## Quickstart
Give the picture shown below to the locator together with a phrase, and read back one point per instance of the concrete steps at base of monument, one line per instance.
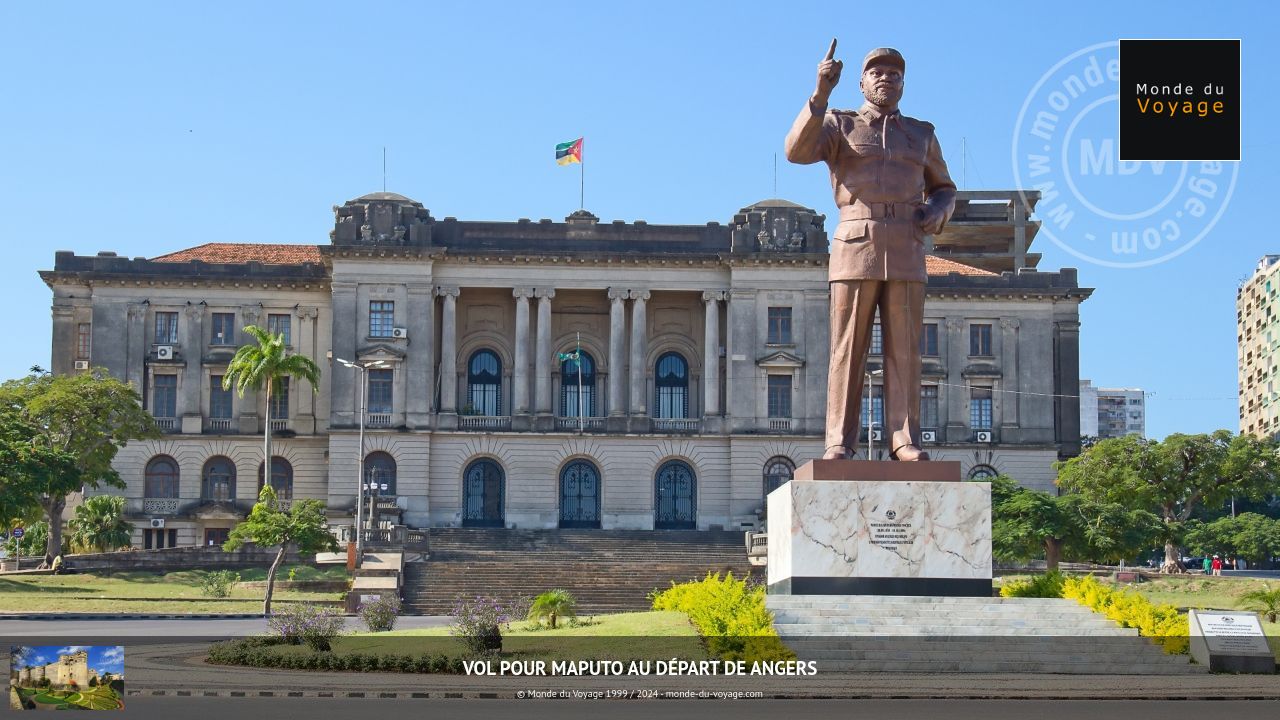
(964, 635)
(606, 570)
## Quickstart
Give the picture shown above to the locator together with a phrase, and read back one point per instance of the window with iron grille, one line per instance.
(219, 399)
(224, 329)
(164, 396)
(280, 399)
(980, 408)
(672, 385)
(779, 325)
(381, 318)
(166, 328)
(380, 391)
(779, 396)
(278, 324)
(84, 335)
(929, 406)
(484, 383)
(778, 471)
(877, 339)
(578, 375)
(929, 339)
(980, 339)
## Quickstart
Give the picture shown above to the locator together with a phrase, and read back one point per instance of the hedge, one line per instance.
(729, 615)
(259, 652)
(1162, 623)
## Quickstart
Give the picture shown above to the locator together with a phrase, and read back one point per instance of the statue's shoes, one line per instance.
(836, 452)
(909, 453)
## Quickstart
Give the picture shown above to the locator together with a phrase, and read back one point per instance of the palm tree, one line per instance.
(1265, 601)
(99, 525)
(261, 366)
(553, 604)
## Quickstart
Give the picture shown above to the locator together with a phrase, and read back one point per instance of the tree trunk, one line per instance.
(1052, 553)
(1170, 564)
(271, 580)
(53, 513)
(266, 441)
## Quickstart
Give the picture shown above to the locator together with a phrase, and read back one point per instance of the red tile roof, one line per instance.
(266, 253)
(934, 265)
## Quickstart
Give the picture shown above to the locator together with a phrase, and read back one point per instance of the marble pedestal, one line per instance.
(922, 533)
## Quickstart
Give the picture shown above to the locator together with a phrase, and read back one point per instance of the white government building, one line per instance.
(701, 379)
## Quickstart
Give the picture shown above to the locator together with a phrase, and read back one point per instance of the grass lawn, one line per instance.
(141, 591)
(97, 698)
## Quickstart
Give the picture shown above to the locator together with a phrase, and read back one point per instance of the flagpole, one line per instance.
(582, 183)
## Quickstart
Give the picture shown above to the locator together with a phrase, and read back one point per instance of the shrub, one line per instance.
(552, 605)
(1162, 623)
(380, 615)
(218, 584)
(257, 652)
(478, 624)
(311, 624)
(1048, 585)
(729, 614)
(1265, 601)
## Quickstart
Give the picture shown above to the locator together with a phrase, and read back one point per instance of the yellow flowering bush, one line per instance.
(1162, 623)
(729, 614)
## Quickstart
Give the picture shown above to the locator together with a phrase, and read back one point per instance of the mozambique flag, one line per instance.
(569, 152)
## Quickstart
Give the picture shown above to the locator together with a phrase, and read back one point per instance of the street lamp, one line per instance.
(871, 414)
(361, 371)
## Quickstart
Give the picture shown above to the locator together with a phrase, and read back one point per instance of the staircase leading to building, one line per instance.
(859, 633)
(606, 570)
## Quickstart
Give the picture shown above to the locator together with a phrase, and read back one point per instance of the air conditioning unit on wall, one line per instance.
(164, 352)
(928, 436)
(157, 522)
(82, 364)
(877, 434)
(984, 436)
(402, 333)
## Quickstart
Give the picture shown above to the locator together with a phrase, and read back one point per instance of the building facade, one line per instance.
(1257, 341)
(69, 670)
(1112, 412)
(547, 374)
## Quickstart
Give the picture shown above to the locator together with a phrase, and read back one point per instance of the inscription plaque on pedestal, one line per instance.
(1230, 642)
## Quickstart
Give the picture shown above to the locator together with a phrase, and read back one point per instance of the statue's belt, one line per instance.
(876, 211)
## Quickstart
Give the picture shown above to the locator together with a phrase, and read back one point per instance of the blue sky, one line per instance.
(103, 658)
(145, 128)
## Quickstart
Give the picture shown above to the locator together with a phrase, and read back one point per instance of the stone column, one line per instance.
(956, 351)
(711, 353)
(449, 357)
(139, 346)
(192, 370)
(1008, 401)
(542, 357)
(305, 341)
(419, 366)
(617, 341)
(64, 339)
(639, 347)
(248, 405)
(520, 372)
(343, 389)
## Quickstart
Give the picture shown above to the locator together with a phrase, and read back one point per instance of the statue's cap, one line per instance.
(884, 55)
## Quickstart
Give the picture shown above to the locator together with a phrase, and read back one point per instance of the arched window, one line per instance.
(571, 380)
(281, 478)
(982, 472)
(482, 495)
(778, 471)
(675, 497)
(672, 383)
(580, 495)
(161, 478)
(219, 481)
(484, 383)
(380, 468)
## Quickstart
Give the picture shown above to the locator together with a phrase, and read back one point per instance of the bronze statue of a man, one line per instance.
(892, 188)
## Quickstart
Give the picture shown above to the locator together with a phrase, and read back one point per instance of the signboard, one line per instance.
(1229, 641)
(19, 532)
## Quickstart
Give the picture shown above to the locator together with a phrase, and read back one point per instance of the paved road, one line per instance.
(217, 628)
(200, 708)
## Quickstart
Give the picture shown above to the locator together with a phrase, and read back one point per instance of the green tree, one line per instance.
(99, 525)
(262, 366)
(1171, 478)
(552, 605)
(302, 526)
(1254, 537)
(77, 424)
(1027, 523)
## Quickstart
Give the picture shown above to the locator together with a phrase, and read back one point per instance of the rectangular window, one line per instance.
(779, 396)
(224, 329)
(381, 318)
(279, 324)
(84, 334)
(219, 399)
(877, 339)
(928, 406)
(873, 407)
(280, 399)
(164, 396)
(929, 340)
(779, 326)
(380, 391)
(980, 408)
(980, 339)
(166, 328)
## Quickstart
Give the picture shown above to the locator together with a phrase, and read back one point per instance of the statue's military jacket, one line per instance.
(884, 167)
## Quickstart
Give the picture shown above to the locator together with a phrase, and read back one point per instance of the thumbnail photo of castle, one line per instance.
(86, 677)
